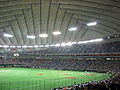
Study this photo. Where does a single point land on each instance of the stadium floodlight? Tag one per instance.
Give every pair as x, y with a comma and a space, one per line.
6, 46
12, 46
92, 24
57, 45
43, 35
47, 45
30, 46
63, 44
24, 46
35, 46
30, 36
72, 29
74, 42
1, 46
8, 35
41, 45
69, 43
18, 46
52, 45
56, 33
89, 41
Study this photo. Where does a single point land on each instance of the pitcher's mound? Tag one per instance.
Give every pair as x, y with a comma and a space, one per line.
70, 77
39, 74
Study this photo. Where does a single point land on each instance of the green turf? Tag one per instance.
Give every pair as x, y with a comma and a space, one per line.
27, 78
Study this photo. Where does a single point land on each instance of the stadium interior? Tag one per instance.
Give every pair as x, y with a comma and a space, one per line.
65, 35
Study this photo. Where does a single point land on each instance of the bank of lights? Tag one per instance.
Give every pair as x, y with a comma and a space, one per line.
53, 45
90, 41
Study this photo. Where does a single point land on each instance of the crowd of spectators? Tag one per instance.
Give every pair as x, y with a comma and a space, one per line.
61, 58
112, 83
112, 47
75, 49
69, 64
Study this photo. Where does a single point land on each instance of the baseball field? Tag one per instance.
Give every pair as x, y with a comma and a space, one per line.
44, 79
